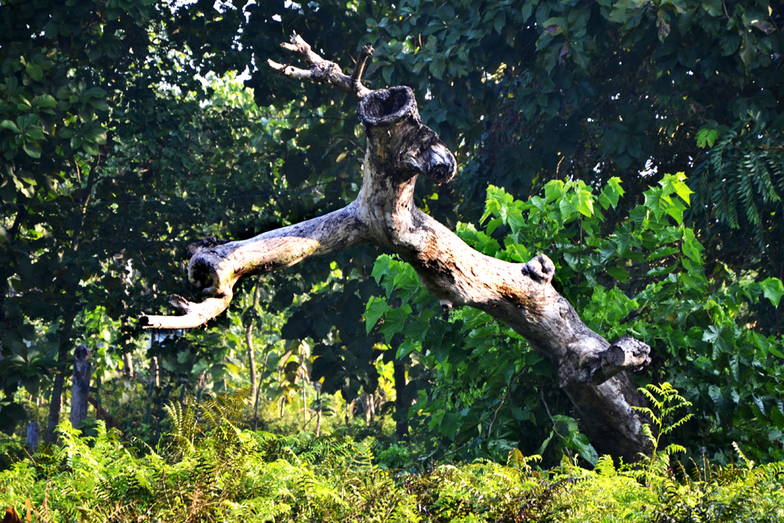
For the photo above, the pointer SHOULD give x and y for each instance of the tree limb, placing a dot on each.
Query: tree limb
(215, 266)
(322, 70)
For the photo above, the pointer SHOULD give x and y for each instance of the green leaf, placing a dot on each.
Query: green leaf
(584, 447)
(554, 26)
(706, 137)
(691, 247)
(611, 193)
(35, 72)
(375, 308)
(94, 92)
(773, 290)
(406, 348)
(620, 274)
(90, 148)
(763, 25)
(777, 416)
(450, 424)
(44, 101)
(500, 20)
(32, 149)
(585, 203)
(437, 67)
(8, 124)
(776, 352)
(746, 50)
(682, 190)
(713, 7)
(395, 321)
(99, 104)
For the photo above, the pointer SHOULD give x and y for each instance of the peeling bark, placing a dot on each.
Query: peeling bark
(400, 148)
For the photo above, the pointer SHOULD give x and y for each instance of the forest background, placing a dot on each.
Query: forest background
(637, 144)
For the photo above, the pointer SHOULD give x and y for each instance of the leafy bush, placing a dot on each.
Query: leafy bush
(645, 277)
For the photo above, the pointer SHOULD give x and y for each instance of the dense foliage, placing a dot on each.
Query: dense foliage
(126, 135)
(646, 278)
(215, 470)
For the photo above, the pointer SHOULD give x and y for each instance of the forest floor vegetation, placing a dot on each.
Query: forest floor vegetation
(207, 468)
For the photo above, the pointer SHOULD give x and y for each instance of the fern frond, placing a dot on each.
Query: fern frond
(749, 463)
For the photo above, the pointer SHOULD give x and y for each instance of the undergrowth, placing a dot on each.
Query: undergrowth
(207, 468)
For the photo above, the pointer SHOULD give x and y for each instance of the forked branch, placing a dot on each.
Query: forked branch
(322, 70)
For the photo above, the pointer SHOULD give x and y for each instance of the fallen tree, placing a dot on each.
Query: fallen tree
(592, 372)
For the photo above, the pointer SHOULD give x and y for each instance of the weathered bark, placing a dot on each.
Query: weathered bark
(32, 435)
(399, 148)
(80, 388)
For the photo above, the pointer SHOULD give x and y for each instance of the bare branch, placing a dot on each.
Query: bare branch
(193, 314)
(216, 266)
(359, 69)
(322, 70)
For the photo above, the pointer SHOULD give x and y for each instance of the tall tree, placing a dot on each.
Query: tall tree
(109, 139)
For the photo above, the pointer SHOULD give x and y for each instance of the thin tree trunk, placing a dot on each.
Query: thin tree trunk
(56, 400)
(80, 389)
(32, 435)
(318, 414)
(258, 389)
(161, 402)
(304, 401)
(249, 340)
(155, 371)
(401, 409)
(128, 364)
(256, 410)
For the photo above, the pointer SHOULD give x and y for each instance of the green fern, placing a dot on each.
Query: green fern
(745, 170)
(665, 401)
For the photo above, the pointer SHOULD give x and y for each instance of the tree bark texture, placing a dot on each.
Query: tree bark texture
(32, 435)
(80, 389)
(399, 148)
(249, 341)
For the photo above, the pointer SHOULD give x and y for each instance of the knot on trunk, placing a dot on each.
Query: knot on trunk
(626, 354)
(203, 272)
(540, 269)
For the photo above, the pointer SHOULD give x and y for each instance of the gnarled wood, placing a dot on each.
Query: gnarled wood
(400, 148)
(321, 70)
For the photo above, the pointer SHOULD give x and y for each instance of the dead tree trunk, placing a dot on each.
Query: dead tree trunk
(399, 148)
(32, 435)
(80, 390)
